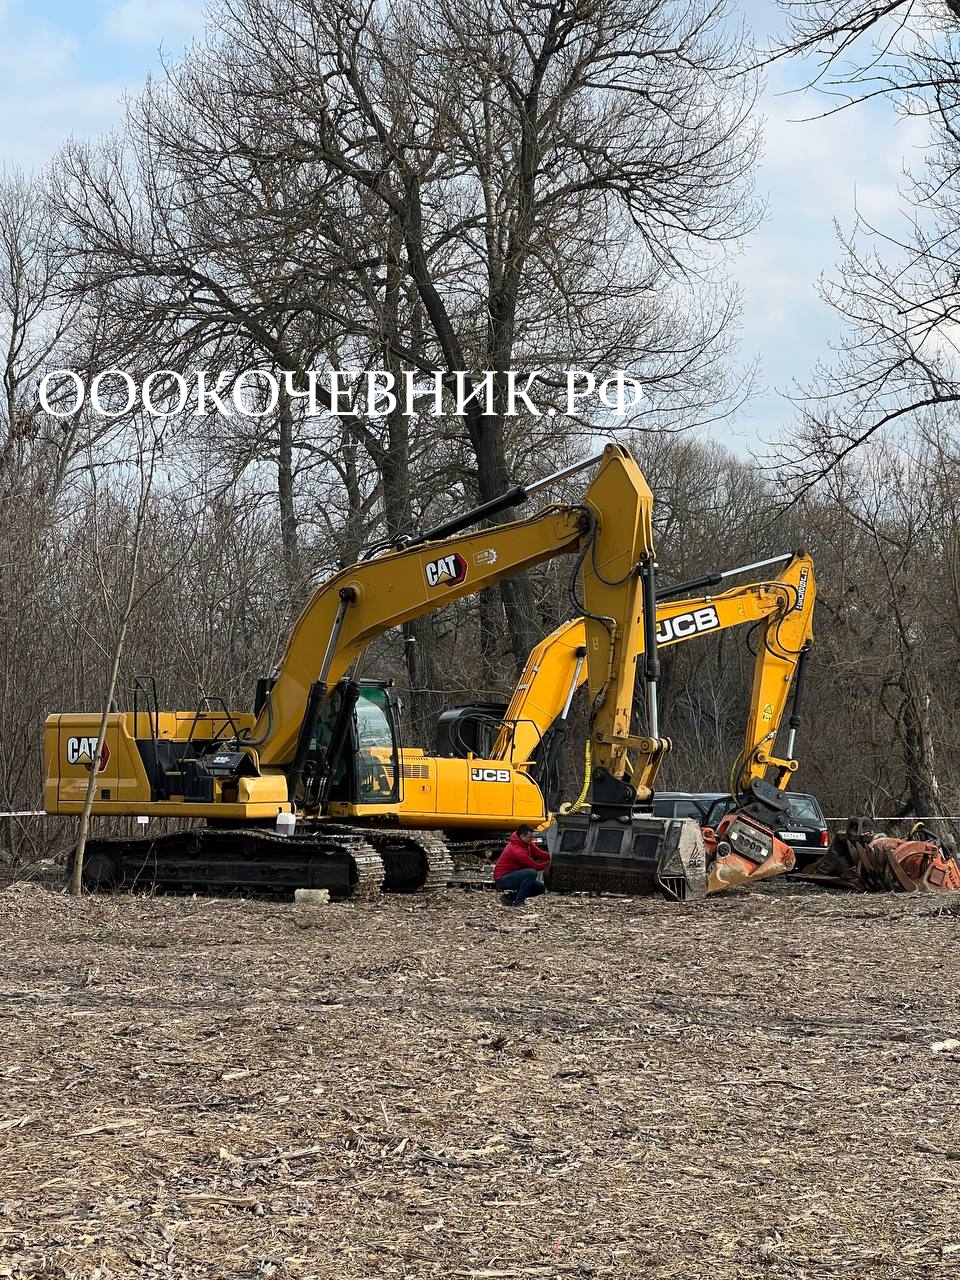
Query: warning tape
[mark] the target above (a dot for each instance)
(911, 817)
(26, 813)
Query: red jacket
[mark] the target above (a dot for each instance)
(518, 856)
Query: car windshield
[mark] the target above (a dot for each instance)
(718, 809)
(802, 809)
(687, 809)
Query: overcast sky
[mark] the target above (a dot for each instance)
(64, 68)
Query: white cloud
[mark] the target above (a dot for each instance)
(57, 83)
(152, 22)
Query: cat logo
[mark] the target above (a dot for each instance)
(687, 624)
(489, 775)
(448, 571)
(83, 751)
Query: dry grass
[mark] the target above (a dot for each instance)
(440, 1087)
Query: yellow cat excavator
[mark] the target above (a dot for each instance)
(305, 791)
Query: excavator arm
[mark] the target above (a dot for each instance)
(783, 608)
(233, 769)
(783, 649)
(611, 533)
(599, 850)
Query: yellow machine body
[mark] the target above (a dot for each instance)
(123, 787)
(554, 672)
(309, 754)
(343, 616)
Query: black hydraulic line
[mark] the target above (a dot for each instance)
(693, 584)
(318, 692)
(548, 770)
(315, 700)
(339, 734)
(714, 579)
(798, 691)
(512, 498)
(651, 662)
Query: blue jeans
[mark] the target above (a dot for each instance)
(526, 883)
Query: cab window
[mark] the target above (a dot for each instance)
(376, 748)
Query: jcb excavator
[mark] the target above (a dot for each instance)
(306, 764)
(522, 741)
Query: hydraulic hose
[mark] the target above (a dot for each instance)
(581, 800)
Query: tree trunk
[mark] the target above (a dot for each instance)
(289, 527)
(923, 787)
(146, 481)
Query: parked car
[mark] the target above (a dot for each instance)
(806, 833)
(685, 804)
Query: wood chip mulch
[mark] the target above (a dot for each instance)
(420, 1087)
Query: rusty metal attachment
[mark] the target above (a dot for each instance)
(742, 850)
(867, 862)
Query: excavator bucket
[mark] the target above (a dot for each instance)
(637, 856)
(640, 854)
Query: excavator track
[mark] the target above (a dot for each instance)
(217, 859)
(413, 861)
(348, 861)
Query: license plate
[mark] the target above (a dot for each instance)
(793, 835)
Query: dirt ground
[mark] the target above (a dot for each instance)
(422, 1087)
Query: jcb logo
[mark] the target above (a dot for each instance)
(84, 751)
(489, 775)
(801, 589)
(687, 624)
(447, 571)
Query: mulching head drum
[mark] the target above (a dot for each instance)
(637, 856)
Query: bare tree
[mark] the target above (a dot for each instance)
(501, 187)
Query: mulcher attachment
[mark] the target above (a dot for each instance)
(743, 850)
(862, 860)
(634, 855)
(745, 846)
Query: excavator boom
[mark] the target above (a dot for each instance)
(520, 746)
(319, 759)
(783, 608)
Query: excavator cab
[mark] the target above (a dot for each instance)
(354, 752)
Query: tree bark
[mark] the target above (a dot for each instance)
(923, 787)
(289, 526)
